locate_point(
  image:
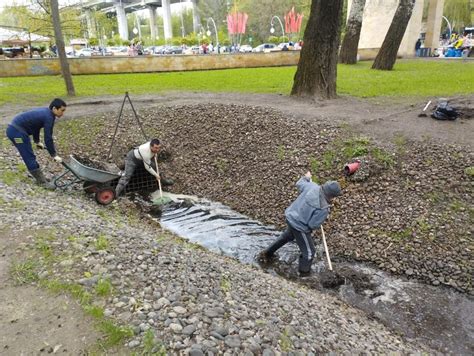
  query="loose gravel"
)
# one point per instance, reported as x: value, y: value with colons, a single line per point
x: 193, y: 301
x: 408, y: 210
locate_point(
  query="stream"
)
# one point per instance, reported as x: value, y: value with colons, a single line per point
x: 437, y: 316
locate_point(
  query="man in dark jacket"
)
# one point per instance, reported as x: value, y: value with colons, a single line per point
x: 305, y: 214
x: 29, y: 124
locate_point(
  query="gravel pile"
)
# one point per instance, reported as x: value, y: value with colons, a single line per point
x: 194, y: 302
x: 410, y: 213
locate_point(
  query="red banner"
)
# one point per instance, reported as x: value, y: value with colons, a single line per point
x: 293, y: 21
x: 237, y: 22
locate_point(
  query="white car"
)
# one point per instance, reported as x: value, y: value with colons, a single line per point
x: 192, y: 50
x: 118, y: 51
x: 85, y: 52
x: 289, y: 45
x: 264, y: 47
x: 245, y: 49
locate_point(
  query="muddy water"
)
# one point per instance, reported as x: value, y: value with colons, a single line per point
x: 441, y: 318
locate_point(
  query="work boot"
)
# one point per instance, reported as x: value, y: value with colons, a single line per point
x: 304, y: 273
x: 41, y: 179
x: 264, y: 258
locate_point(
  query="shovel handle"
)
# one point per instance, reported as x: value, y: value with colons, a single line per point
x: 326, y: 248
x: 159, y: 179
x: 426, y: 107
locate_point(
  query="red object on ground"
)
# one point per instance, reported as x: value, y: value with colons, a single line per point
x: 351, y: 168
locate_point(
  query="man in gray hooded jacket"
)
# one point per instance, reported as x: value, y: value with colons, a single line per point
x: 305, y: 214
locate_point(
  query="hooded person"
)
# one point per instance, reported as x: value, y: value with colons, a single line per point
x: 29, y: 124
x: 307, y: 213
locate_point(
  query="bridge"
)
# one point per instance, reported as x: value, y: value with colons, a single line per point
x: 122, y: 7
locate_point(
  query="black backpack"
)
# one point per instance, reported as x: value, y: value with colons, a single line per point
x: 445, y: 112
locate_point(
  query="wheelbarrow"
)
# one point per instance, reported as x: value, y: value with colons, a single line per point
x: 93, y: 180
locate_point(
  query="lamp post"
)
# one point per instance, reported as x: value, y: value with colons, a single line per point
x: 215, y: 30
x: 137, y: 27
x: 449, y: 26
x: 272, y: 29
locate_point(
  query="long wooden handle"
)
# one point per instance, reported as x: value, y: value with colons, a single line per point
x: 326, y: 248
x: 159, y: 179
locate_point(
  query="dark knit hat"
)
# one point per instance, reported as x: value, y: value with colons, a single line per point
x: 331, y: 189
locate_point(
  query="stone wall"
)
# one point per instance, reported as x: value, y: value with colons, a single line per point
x: 143, y: 64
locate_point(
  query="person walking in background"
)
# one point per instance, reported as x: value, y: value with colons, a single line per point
x: 417, y: 47
x: 29, y: 124
x: 306, y: 213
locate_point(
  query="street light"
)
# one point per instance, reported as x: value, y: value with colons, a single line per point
x: 215, y: 30
x: 449, y: 26
x: 272, y: 29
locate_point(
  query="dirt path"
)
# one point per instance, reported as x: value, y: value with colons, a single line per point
x: 380, y: 118
x: 34, y: 322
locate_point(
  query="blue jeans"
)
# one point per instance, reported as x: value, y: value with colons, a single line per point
x: 22, y: 143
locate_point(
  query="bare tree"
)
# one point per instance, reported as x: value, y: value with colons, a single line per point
x: 387, y: 55
x: 58, y: 34
x: 317, y: 68
x: 350, y: 44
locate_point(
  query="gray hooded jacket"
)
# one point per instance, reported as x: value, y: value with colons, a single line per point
x: 310, y: 209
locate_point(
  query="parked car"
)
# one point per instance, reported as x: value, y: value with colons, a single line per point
x: 172, y: 50
x: 245, y: 49
x: 14, y: 52
x: 118, y: 50
x: 289, y: 45
x: 192, y: 50
x: 155, y: 50
x: 87, y: 52
x: 264, y: 47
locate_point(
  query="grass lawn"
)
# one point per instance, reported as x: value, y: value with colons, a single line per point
x: 413, y: 78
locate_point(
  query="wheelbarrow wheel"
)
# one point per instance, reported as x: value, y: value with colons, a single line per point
x: 104, y: 195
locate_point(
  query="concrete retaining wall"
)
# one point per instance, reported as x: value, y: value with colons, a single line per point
x: 143, y: 64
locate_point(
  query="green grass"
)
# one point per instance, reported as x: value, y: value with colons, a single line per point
x: 152, y: 346
x: 24, y: 272
x: 418, y: 78
x: 114, y: 334
x: 102, y: 243
x: 103, y: 287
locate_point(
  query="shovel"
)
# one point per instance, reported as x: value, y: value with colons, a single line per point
x: 423, y: 114
x: 326, y: 248
x: 161, y: 200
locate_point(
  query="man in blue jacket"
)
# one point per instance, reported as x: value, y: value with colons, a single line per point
x: 29, y: 124
x: 306, y: 213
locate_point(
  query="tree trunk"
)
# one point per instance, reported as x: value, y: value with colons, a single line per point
x: 317, y: 69
x: 58, y: 34
x: 350, y: 44
x: 388, y: 52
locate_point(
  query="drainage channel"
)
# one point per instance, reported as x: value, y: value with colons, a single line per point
x: 439, y: 317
